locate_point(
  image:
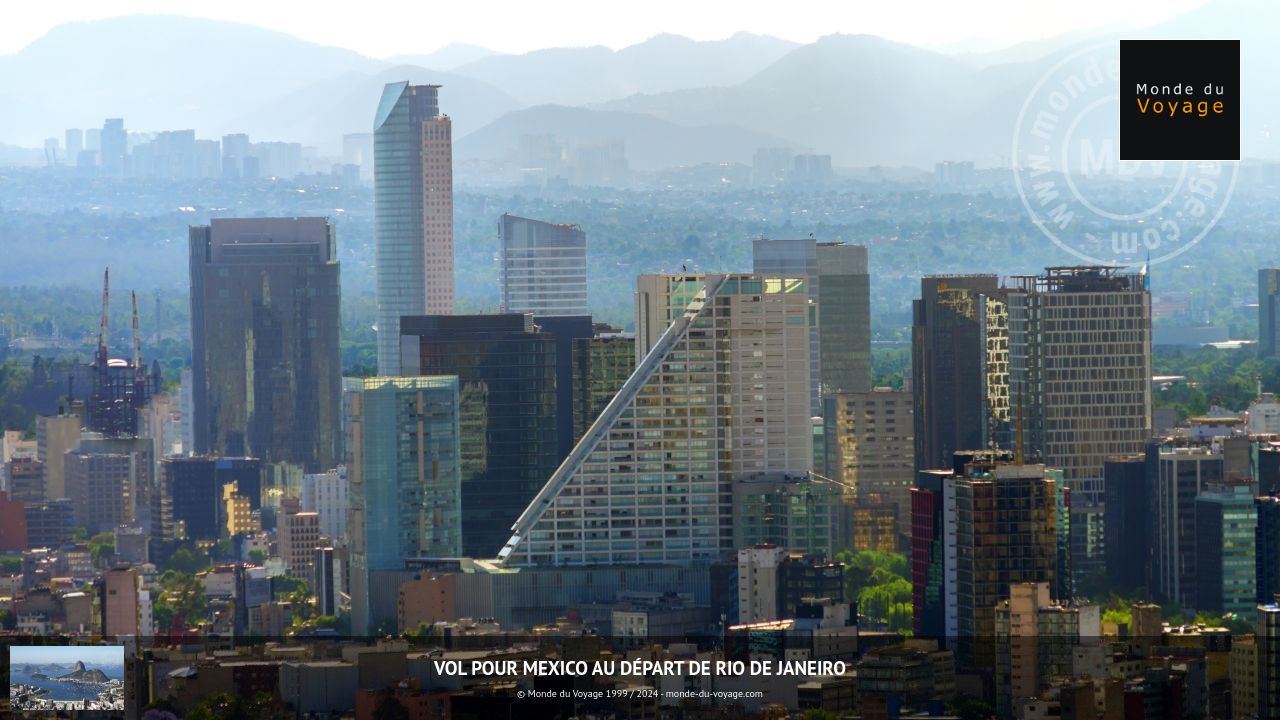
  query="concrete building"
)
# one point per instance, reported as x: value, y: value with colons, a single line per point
x: 869, y: 445
x: 1264, y: 415
x: 190, y: 500
x: 427, y: 598
x: 655, y: 445
x: 542, y: 267
x: 404, y: 467
x: 758, y: 583
x: 413, y: 212
x: 1035, y: 641
x: 271, y: 286
x: 326, y: 495
x: 121, y: 613
x: 101, y: 488
x: 1243, y: 675
x: 24, y: 480
x: 55, y: 436
x: 1080, y: 366
x: 1266, y: 632
x: 298, y: 535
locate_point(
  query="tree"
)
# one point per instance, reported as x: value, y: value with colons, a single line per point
x: 390, y: 709
x: 8, y: 620
x: 187, y: 562
x: 101, y: 547
x: 258, y: 556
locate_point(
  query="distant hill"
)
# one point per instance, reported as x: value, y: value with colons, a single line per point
x: 321, y: 113
x: 446, y: 58
x: 651, y: 143
x: 577, y: 76
x: 159, y: 73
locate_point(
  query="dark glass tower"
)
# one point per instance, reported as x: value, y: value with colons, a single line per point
x: 948, y: 366
x: 510, y: 439
x: 265, y: 363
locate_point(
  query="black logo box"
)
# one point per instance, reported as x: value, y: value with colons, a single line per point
x: 1209, y: 132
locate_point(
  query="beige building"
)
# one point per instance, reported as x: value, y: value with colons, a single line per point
x: 1243, y: 672
x: 298, y: 535
x: 1036, y: 641
x: 237, y: 511
x: 121, y: 608
x: 758, y: 583
x: 870, y: 444
x: 427, y: 598
x: 1080, y: 365
x: 55, y: 436
x: 720, y: 393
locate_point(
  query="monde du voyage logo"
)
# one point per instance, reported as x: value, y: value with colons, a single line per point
x: 1126, y: 153
x: 1180, y: 100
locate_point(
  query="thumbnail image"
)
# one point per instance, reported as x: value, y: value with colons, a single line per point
x: 44, y: 678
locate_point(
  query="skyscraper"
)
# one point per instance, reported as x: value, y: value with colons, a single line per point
x: 1080, y: 363
x: 115, y: 148
x: 506, y: 373
x: 1226, y: 523
x: 947, y: 368
x: 840, y: 286
x: 75, y: 143
x: 1268, y: 312
x: 270, y: 287
x: 1127, y: 520
x: 1176, y: 477
x: 601, y: 364
x: 403, y: 466
x: 413, y: 212
x: 869, y: 447
x: 542, y: 267
x: 721, y: 394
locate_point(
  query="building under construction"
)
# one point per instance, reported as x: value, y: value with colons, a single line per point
x: 120, y: 387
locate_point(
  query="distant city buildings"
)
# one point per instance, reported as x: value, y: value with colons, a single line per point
x: 413, y: 212
x: 542, y: 267
x: 1268, y: 312
x: 270, y: 286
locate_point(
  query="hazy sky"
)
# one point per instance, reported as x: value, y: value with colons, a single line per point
x: 380, y: 28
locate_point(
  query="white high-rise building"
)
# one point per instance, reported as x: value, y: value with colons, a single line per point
x: 326, y: 495
x: 758, y: 583
x: 413, y: 212
x: 720, y: 394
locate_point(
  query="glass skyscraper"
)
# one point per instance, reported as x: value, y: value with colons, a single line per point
x: 542, y: 267
x: 265, y: 362
x: 413, y: 212
x: 403, y: 465
x: 510, y: 432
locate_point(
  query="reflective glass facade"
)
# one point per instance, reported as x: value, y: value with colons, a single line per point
x: 506, y: 374
x: 404, y: 469
x: 265, y: 360
x: 413, y: 212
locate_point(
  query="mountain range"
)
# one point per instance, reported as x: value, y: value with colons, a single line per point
x: 863, y: 99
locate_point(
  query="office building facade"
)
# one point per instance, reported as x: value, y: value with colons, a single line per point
x: 542, y: 267
x: 404, y: 472
x: 413, y: 212
x: 651, y: 481
x: 948, y: 368
x: 1080, y: 366
x: 510, y: 437
x: 840, y: 288
x: 269, y: 286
